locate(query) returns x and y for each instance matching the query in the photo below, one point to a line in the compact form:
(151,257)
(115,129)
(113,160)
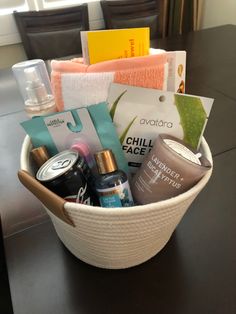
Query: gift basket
(120,162)
(113,237)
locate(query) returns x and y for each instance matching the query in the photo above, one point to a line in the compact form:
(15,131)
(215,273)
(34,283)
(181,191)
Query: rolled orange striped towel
(76,84)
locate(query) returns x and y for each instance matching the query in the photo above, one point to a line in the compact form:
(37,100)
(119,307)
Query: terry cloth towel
(76,84)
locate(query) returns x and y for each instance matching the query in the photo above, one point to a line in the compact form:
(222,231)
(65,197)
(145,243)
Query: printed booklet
(103,45)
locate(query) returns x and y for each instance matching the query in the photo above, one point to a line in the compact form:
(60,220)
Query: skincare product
(84,150)
(112,184)
(34,85)
(40,155)
(171,168)
(149,112)
(176,71)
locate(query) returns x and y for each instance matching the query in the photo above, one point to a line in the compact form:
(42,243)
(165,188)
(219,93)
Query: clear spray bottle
(35,87)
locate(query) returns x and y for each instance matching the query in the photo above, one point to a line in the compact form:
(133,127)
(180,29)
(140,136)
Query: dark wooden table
(194,273)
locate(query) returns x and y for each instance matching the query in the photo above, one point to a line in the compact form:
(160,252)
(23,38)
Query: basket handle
(52,201)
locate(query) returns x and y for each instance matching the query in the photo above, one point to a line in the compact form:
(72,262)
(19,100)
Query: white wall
(11,54)
(218,12)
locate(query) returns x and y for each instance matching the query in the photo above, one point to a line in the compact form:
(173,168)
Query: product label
(158,171)
(82,197)
(65,130)
(118,196)
(150,112)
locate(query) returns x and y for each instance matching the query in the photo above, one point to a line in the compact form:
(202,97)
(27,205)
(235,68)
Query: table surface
(194,273)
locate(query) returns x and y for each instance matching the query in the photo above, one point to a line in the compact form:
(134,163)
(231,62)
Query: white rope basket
(118,238)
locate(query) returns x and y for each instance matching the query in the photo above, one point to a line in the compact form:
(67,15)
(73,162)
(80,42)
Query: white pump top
(36,90)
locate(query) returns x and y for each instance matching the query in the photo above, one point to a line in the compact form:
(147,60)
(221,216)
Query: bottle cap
(106,162)
(84,150)
(58,165)
(40,155)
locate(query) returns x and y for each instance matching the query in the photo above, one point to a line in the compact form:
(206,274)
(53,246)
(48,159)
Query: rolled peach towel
(76,84)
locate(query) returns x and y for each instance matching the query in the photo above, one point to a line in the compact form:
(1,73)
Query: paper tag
(64,129)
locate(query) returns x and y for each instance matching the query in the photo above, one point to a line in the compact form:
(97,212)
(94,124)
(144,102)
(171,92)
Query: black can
(67,174)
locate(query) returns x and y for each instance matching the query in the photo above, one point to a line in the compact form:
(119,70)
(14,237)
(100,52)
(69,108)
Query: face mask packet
(141,114)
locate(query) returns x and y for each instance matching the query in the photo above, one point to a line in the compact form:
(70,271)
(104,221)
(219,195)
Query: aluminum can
(67,175)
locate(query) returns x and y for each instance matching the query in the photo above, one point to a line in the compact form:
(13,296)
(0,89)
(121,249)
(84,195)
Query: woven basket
(115,238)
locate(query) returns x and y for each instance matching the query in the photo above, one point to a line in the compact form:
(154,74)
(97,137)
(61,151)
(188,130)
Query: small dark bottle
(40,155)
(112,185)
